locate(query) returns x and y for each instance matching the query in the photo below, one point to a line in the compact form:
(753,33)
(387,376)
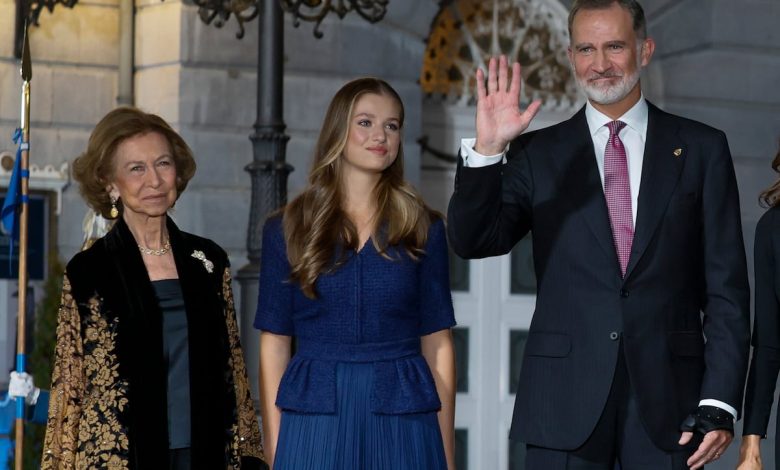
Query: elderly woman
(148,370)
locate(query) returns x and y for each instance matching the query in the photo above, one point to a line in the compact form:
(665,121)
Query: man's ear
(648,47)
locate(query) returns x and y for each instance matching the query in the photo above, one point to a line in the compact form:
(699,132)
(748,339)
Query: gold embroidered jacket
(108,405)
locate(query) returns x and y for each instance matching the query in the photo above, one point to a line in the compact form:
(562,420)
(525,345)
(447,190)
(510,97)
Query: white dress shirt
(633,136)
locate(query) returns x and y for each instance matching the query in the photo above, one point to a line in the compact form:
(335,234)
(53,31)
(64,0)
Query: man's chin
(604,97)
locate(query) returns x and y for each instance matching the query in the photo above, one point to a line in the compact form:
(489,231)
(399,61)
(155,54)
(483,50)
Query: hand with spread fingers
(499,117)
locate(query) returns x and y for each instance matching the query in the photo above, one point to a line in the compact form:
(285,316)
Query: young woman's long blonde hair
(317,231)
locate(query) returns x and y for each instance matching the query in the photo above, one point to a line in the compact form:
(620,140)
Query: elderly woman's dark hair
(94,169)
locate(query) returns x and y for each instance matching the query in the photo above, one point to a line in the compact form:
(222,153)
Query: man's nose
(601,62)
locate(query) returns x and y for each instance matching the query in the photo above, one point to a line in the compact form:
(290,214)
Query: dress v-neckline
(364,246)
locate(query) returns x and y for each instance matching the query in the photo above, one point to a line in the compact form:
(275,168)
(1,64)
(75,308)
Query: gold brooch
(677,152)
(197,254)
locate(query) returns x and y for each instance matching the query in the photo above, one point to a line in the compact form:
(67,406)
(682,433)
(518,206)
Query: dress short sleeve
(274,300)
(435,298)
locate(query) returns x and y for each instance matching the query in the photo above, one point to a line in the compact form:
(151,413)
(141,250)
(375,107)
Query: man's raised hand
(499,117)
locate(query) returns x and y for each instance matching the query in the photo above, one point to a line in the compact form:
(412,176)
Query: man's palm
(499,117)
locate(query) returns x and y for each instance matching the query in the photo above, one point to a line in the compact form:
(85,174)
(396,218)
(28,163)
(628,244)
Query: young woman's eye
(364,123)
(393,126)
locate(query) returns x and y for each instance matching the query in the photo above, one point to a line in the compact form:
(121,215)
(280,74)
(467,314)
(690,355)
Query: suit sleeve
(727,294)
(766,332)
(490,208)
(67,387)
(246,439)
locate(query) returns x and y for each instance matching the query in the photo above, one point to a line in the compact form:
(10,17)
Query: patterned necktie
(617,190)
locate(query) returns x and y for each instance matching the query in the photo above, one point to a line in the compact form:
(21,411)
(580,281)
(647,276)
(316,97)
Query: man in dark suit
(637,350)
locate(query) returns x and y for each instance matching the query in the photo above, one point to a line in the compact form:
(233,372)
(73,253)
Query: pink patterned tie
(617,190)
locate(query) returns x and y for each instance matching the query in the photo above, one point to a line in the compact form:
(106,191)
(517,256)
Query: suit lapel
(576,160)
(663,160)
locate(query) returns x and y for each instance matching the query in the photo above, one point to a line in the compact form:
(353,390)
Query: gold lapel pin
(677,152)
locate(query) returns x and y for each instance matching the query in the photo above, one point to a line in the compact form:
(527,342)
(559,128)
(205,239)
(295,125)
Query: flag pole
(25,165)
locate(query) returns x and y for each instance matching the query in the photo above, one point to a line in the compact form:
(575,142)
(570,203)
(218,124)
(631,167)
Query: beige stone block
(7,28)
(218,97)
(10,90)
(42,95)
(141,4)
(157,91)
(111,3)
(86,34)
(157,34)
(207,44)
(57,145)
(82,96)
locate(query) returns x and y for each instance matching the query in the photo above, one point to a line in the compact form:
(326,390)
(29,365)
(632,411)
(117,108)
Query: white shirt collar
(635,118)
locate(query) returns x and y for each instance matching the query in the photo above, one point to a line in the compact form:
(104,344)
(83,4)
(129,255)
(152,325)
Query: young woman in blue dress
(356,270)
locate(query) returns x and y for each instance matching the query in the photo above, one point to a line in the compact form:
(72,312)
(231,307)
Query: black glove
(708,418)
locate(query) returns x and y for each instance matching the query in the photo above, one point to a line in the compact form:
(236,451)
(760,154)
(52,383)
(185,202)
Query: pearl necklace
(148,251)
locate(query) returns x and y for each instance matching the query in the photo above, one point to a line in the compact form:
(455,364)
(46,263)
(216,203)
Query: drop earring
(114,213)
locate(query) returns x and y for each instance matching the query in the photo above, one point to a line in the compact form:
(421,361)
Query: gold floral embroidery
(83,429)
(246,430)
(87,394)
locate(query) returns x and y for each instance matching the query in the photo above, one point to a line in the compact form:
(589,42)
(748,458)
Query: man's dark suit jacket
(687,258)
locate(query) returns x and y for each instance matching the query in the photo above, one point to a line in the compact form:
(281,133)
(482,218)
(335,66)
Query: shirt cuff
(721,405)
(473,159)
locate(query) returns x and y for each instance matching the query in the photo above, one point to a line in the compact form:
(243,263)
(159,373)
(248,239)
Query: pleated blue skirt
(354,438)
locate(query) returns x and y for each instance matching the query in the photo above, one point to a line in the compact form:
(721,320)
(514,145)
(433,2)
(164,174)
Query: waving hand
(499,117)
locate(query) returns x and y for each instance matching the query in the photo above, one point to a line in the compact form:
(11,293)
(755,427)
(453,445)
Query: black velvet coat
(108,398)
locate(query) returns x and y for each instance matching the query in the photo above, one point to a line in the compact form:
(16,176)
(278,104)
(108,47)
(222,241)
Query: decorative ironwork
(35,7)
(316,10)
(219,12)
(465,33)
(28,12)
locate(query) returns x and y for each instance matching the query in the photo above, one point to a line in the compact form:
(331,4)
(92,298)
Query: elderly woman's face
(144,175)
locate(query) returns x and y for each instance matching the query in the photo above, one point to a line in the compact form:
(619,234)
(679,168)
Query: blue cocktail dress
(357,393)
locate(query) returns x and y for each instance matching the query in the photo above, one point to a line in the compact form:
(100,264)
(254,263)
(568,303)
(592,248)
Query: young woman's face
(374,134)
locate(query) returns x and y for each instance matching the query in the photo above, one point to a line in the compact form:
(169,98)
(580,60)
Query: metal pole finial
(26,61)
